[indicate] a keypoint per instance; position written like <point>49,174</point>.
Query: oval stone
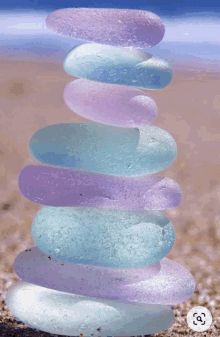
<point>105,238</point>
<point>114,65</point>
<point>165,282</point>
<point>108,26</point>
<point>104,149</point>
<point>110,104</point>
<point>66,187</point>
<point>36,267</point>
<point>68,314</point>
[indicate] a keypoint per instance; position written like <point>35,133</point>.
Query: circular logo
<point>199,319</point>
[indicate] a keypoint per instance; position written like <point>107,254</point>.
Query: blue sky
<point>192,30</point>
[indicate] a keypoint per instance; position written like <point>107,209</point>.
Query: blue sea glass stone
<point>115,65</point>
<point>60,313</point>
<point>104,149</point>
<point>103,237</point>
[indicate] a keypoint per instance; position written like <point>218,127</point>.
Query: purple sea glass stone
<point>110,104</point>
<point>36,267</point>
<point>66,187</point>
<point>165,282</point>
<point>108,26</point>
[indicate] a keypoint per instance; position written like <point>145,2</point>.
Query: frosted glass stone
<point>114,65</point>
<point>165,282</point>
<point>36,267</point>
<point>66,187</point>
<point>68,314</point>
<point>110,104</point>
<point>104,149</point>
<point>108,26</point>
<point>101,237</point>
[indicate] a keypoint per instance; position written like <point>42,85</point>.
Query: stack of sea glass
<point>99,265</point>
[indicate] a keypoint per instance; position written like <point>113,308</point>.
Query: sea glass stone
<point>36,267</point>
<point>69,314</point>
<point>103,237</point>
<point>165,282</point>
<point>108,26</point>
<point>110,104</point>
<point>62,187</point>
<point>104,149</point>
<point>114,65</point>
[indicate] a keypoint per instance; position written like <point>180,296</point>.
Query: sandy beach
<point>31,97</point>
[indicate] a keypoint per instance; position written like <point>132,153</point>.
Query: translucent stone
<point>36,267</point>
<point>165,282</point>
<point>110,104</point>
<point>114,65</point>
<point>61,187</point>
<point>108,26</point>
<point>100,237</point>
<point>68,314</point>
<point>104,149</point>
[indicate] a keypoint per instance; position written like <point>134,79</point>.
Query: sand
<point>31,98</point>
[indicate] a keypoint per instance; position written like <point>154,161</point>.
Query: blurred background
<point>31,97</point>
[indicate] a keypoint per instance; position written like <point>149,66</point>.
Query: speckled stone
<point>113,65</point>
<point>100,237</point>
<point>110,104</point>
<point>104,149</point>
<point>65,187</point>
<point>165,282</point>
<point>68,314</point>
<point>108,26</point>
<point>36,267</point>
